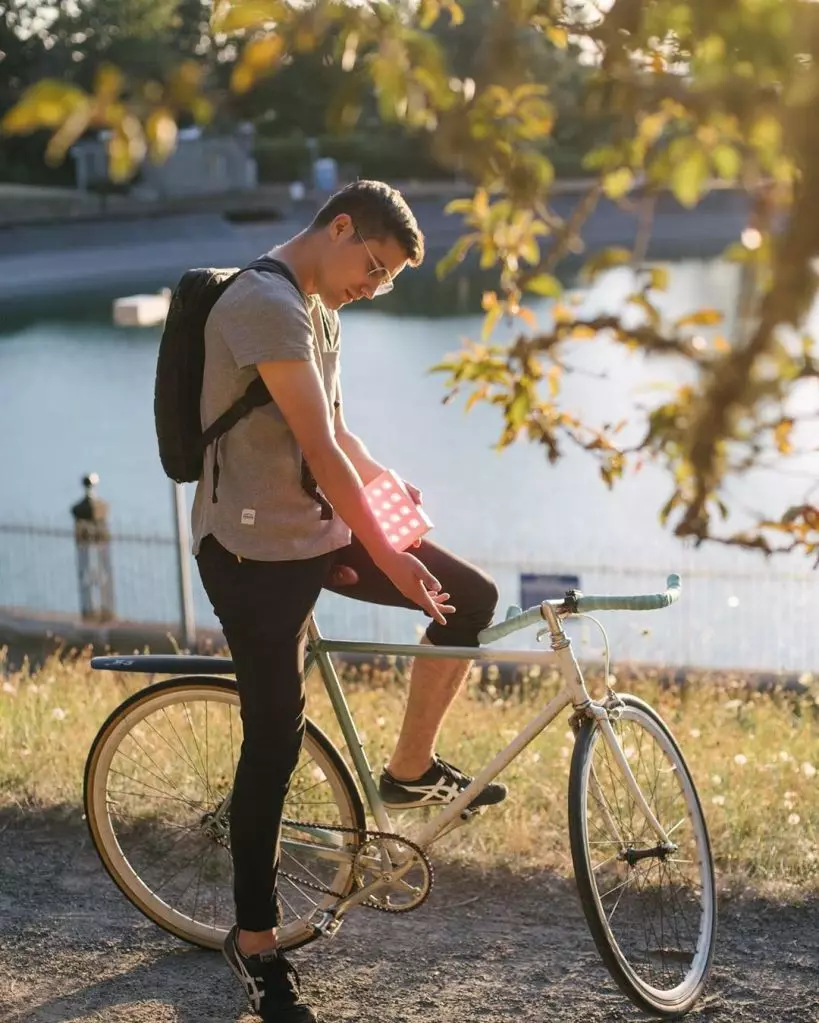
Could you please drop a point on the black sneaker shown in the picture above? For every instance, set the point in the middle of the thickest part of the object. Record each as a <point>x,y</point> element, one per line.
<point>440,784</point>
<point>271,983</point>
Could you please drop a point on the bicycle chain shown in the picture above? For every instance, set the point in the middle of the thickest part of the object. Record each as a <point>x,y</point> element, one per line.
<point>366,836</point>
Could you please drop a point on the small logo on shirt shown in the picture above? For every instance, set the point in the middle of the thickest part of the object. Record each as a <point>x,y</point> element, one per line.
<point>248,517</point>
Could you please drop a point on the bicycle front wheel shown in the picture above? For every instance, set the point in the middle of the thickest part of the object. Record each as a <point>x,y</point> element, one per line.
<point>651,907</point>
<point>157,790</point>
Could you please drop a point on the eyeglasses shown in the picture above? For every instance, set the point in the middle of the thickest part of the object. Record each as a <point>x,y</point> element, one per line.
<point>385,281</point>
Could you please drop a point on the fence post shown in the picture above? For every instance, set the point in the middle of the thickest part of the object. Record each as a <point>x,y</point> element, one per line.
<point>93,542</point>
<point>187,620</point>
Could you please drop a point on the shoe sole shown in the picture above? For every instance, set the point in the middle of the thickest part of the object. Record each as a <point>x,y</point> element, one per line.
<point>418,804</point>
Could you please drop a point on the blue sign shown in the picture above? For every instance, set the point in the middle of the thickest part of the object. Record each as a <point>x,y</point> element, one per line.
<point>534,589</point>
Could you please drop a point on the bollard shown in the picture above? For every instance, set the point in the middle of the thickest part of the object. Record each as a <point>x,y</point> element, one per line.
<point>93,542</point>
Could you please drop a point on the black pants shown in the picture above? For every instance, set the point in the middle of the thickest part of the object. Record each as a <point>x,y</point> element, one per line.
<point>264,608</point>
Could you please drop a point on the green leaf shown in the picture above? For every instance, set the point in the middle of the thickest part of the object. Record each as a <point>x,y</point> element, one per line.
<point>618,183</point>
<point>766,133</point>
<point>711,49</point>
<point>689,177</point>
<point>489,321</point>
<point>546,285</point>
<point>519,408</point>
<point>726,160</point>
<point>455,255</point>
<point>601,157</point>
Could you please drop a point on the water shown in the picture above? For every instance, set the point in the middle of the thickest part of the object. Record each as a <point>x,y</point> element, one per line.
<point>76,396</point>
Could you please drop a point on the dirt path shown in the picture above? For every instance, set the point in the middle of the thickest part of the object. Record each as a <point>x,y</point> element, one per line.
<point>492,949</point>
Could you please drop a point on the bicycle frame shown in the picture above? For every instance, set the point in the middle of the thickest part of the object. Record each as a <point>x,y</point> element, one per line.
<point>574,692</point>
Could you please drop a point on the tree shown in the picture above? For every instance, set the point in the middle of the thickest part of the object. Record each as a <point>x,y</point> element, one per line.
<point>689,95</point>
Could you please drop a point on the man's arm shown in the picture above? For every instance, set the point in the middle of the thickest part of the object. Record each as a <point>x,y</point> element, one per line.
<point>353,447</point>
<point>297,389</point>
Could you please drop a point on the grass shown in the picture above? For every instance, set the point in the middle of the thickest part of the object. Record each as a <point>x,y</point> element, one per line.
<point>754,757</point>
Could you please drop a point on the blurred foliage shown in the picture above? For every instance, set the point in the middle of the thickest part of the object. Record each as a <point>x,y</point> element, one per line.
<point>659,96</point>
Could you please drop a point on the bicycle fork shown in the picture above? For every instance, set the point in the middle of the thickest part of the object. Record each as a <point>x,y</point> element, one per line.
<point>585,706</point>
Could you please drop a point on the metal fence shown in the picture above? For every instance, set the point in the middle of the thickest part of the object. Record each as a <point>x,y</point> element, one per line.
<point>749,614</point>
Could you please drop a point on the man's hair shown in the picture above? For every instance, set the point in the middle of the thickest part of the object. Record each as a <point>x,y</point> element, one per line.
<point>378,211</point>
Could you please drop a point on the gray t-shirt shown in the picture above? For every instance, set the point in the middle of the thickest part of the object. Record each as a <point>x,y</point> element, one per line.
<point>262,510</point>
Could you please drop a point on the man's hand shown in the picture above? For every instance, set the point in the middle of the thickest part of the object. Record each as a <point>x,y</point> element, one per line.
<point>416,582</point>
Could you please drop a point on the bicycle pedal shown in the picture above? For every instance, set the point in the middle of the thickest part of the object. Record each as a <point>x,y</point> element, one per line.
<point>326,923</point>
<point>470,812</point>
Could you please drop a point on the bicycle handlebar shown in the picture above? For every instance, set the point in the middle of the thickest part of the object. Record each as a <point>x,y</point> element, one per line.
<point>575,603</point>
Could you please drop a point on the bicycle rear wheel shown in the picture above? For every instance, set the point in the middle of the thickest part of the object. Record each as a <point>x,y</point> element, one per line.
<point>157,784</point>
<point>651,910</point>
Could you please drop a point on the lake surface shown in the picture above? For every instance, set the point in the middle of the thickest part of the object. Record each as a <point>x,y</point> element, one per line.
<point>76,396</point>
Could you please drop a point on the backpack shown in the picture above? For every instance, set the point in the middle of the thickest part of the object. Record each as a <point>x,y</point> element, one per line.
<point>180,369</point>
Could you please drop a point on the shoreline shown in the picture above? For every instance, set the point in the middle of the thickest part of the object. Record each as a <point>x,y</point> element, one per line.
<point>57,257</point>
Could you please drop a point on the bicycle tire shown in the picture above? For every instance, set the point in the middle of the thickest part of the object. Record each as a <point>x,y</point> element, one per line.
<point>120,724</point>
<point>635,972</point>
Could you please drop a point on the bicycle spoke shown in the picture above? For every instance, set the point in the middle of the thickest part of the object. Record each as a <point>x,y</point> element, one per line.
<point>652,900</point>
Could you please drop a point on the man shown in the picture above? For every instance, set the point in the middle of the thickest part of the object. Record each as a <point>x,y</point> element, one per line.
<point>279,514</point>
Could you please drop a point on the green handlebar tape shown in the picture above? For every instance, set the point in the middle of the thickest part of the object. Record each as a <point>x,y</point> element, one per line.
<point>636,602</point>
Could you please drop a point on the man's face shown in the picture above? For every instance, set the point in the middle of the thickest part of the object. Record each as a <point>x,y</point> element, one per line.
<point>353,268</point>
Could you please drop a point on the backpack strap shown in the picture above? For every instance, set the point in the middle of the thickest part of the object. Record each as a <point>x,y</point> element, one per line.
<point>255,396</point>
<point>256,393</point>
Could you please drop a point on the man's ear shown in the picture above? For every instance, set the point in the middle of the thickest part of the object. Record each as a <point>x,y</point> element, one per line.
<point>342,224</point>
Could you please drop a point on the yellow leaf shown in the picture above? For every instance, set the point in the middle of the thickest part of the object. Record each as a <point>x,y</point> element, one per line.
<point>108,84</point>
<point>241,79</point>
<point>202,110</point>
<point>722,344</point>
<point>160,129</point>
<point>456,12</point>
<point>546,285</point>
<point>766,133</point>
<point>659,278</point>
<point>726,160</point>
<point>651,127</point>
<point>235,15</point>
<point>428,13</point>
<point>527,316</point>
<point>491,318</point>
<point>689,177</point>
<point>477,395</point>
<point>553,378</point>
<point>67,134</point>
<point>261,54</point>
<point>562,313</point>
<point>701,318</point>
<point>583,333</point>
<point>519,408</point>
<point>618,183</point>
<point>45,105</point>
<point>489,300</point>
<point>782,437</point>
<point>558,36</point>
<point>126,149</point>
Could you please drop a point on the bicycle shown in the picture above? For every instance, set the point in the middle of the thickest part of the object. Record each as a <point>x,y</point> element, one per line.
<point>157,799</point>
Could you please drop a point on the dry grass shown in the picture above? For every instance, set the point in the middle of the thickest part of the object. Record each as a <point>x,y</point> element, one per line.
<point>754,756</point>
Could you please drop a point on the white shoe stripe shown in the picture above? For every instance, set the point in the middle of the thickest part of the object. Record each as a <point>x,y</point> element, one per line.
<point>439,792</point>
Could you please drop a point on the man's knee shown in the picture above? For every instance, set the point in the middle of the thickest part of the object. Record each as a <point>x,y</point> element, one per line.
<point>485,600</point>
